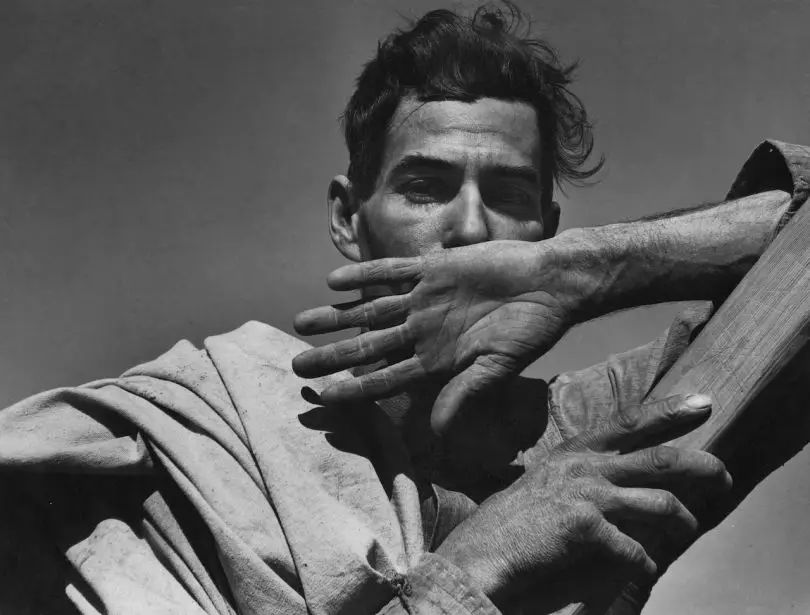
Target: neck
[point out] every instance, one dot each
(477, 455)
(481, 444)
(409, 411)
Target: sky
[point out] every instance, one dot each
(163, 174)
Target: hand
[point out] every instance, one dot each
(581, 519)
(474, 317)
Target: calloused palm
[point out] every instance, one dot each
(474, 317)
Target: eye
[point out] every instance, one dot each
(426, 190)
(512, 198)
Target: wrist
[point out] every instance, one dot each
(472, 565)
(476, 565)
(682, 256)
(589, 263)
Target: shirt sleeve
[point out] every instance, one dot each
(437, 587)
(584, 400)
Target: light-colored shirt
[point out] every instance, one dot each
(206, 482)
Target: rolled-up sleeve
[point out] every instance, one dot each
(583, 400)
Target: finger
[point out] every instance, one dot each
(484, 373)
(375, 385)
(377, 272)
(361, 350)
(661, 465)
(649, 424)
(653, 507)
(380, 313)
(626, 552)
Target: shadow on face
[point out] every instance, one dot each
(453, 174)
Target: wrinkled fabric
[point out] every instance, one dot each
(205, 482)
(436, 586)
(300, 517)
(583, 400)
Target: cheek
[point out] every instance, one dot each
(397, 231)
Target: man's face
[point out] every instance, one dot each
(455, 174)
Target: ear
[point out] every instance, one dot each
(551, 219)
(343, 218)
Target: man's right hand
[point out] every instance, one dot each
(590, 513)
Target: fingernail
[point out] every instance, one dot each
(698, 402)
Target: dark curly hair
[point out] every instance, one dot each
(447, 56)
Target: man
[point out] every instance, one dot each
(206, 481)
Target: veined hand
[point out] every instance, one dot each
(474, 316)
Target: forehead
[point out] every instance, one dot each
(486, 131)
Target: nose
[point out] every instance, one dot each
(466, 222)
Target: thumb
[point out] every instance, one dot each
(633, 427)
(480, 377)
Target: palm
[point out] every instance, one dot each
(475, 316)
(451, 332)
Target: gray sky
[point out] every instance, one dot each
(163, 171)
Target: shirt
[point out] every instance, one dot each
(207, 481)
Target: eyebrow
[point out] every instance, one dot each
(416, 162)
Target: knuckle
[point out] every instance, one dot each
(582, 490)
(566, 447)
(360, 348)
(581, 443)
(378, 380)
(366, 313)
(628, 419)
(594, 440)
(666, 503)
(398, 266)
(402, 335)
(575, 466)
(671, 412)
(585, 519)
(354, 318)
(665, 411)
(376, 270)
(664, 457)
(635, 554)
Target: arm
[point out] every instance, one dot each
(479, 314)
(566, 530)
(698, 253)
(709, 247)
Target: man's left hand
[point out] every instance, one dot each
(473, 317)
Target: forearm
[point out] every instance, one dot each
(700, 253)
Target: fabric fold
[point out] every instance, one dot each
(307, 509)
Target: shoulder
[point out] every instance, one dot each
(252, 353)
(255, 340)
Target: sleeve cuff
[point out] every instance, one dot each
(775, 165)
(800, 194)
(438, 587)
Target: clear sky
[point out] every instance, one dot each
(163, 171)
